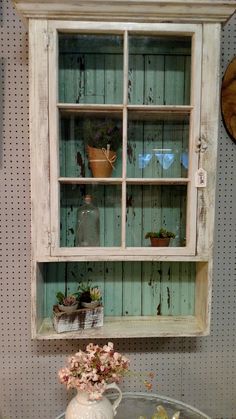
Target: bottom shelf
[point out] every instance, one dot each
(139, 299)
(123, 327)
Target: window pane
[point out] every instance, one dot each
(107, 202)
(90, 68)
(150, 208)
(159, 70)
(90, 144)
(157, 145)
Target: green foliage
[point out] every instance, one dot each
(161, 234)
(102, 132)
(87, 293)
(60, 297)
(64, 300)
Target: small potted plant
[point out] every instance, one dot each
(68, 303)
(89, 297)
(103, 138)
(160, 238)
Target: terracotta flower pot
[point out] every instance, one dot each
(160, 242)
(101, 161)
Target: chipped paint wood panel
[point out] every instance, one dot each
(132, 292)
(151, 289)
(56, 275)
(128, 288)
(86, 69)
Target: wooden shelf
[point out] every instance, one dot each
(129, 258)
(131, 327)
(126, 253)
(180, 294)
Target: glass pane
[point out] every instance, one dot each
(90, 144)
(105, 219)
(159, 70)
(157, 145)
(90, 68)
(150, 208)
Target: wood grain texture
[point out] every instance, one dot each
(228, 99)
(132, 291)
(39, 146)
(131, 10)
(120, 327)
(79, 319)
(209, 137)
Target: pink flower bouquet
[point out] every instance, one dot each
(91, 370)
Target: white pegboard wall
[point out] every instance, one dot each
(199, 371)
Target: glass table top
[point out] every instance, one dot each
(134, 405)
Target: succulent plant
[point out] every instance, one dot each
(68, 300)
(161, 234)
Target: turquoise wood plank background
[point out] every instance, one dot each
(128, 288)
(159, 71)
(90, 69)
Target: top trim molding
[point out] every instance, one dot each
(128, 10)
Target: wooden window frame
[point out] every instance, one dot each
(193, 30)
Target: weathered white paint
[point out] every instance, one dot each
(43, 53)
(127, 327)
(80, 319)
(100, 258)
(194, 133)
(209, 135)
(118, 181)
(203, 294)
(54, 139)
(39, 145)
(129, 10)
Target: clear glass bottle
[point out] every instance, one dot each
(88, 224)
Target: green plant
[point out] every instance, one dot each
(68, 300)
(161, 234)
(86, 293)
(101, 133)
